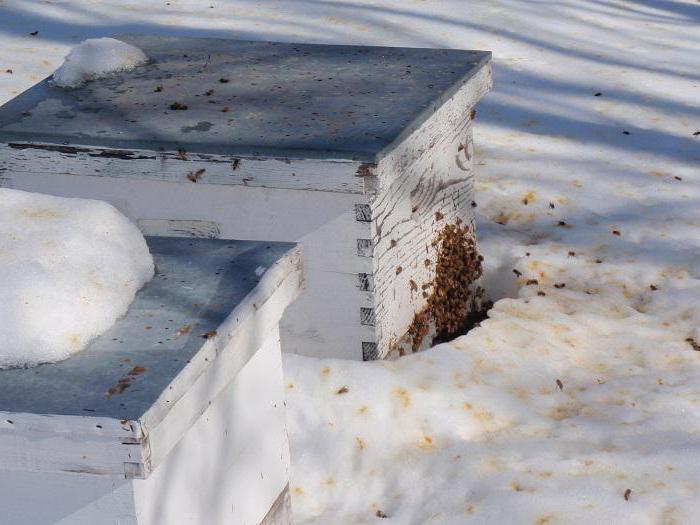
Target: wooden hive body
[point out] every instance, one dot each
(361, 154)
(152, 422)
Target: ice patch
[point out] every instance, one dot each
(96, 58)
(70, 268)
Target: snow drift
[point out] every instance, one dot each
(70, 268)
(96, 58)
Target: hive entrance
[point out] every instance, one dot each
(455, 302)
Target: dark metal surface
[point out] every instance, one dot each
(271, 99)
(198, 282)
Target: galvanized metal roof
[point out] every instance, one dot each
(248, 98)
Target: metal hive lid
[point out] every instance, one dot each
(269, 99)
(198, 283)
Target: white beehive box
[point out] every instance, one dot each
(175, 415)
(361, 154)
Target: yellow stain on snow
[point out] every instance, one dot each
(298, 491)
(362, 410)
(529, 198)
(521, 393)
(40, 213)
(426, 442)
(484, 417)
(518, 487)
(74, 340)
(360, 443)
(544, 519)
(562, 412)
(325, 371)
(403, 395)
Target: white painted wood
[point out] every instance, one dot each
(229, 468)
(179, 228)
(55, 443)
(425, 182)
(234, 461)
(213, 447)
(68, 444)
(325, 321)
(181, 166)
(44, 498)
(191, 393)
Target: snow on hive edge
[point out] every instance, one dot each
(70, 269)
(96, 58)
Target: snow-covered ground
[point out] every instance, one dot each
(578, 401)
(70, 268)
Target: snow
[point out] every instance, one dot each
(506, 443)
(96, 58)
(70, 268)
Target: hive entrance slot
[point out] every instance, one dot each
(456, 302)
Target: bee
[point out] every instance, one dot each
(194, 177)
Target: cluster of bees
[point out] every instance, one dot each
(454, 304)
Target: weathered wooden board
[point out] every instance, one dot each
(181, 166)
(425, 183)
(231, 466)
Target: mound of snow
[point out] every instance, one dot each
(70, 268)
(96, 58)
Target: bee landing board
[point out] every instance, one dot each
(361, 154)
(176, 414)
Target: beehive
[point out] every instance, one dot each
(175, 415)
(361, 154)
